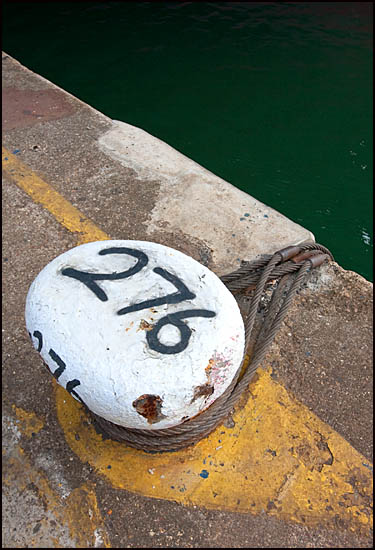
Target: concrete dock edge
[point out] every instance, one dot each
(295, 467)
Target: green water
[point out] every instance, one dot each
(274, 97)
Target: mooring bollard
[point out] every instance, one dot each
(145, 336)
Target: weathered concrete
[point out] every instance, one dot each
(323, 353)
(135, 185)
(53, 496)
(231, 223)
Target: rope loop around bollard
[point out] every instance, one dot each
(281, 275)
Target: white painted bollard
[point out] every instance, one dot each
(144, 335)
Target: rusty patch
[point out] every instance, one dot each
(144, 325)
(129, 327)
(209, 367)
(202, 391)
(215, 370)
(22, 108)
(149, 406)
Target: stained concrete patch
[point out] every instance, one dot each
(33, 521)
(214, 213)
(15, 75)
(35, 516)
(25, 513)
(26, 107)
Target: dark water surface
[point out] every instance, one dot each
(274, 97)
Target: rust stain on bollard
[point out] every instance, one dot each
(203, 391)
(149, 406)
(144, 325)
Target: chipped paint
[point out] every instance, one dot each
(149, 406)
(205, 390)
(278, 458)
(27, 422)
(216, 369)
(144, 325)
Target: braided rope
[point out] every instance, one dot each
(251, 276)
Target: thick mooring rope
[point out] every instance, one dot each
(281, 274)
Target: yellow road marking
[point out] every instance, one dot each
(41, 192)
(279, 457)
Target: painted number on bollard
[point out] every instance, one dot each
(175, 319)
(109, 320)
(60, 364)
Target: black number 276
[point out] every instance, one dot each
(175, 319)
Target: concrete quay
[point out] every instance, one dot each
(291, 469)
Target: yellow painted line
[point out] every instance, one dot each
(41, 192)
(279, 458)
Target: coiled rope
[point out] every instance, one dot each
(281, 274)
